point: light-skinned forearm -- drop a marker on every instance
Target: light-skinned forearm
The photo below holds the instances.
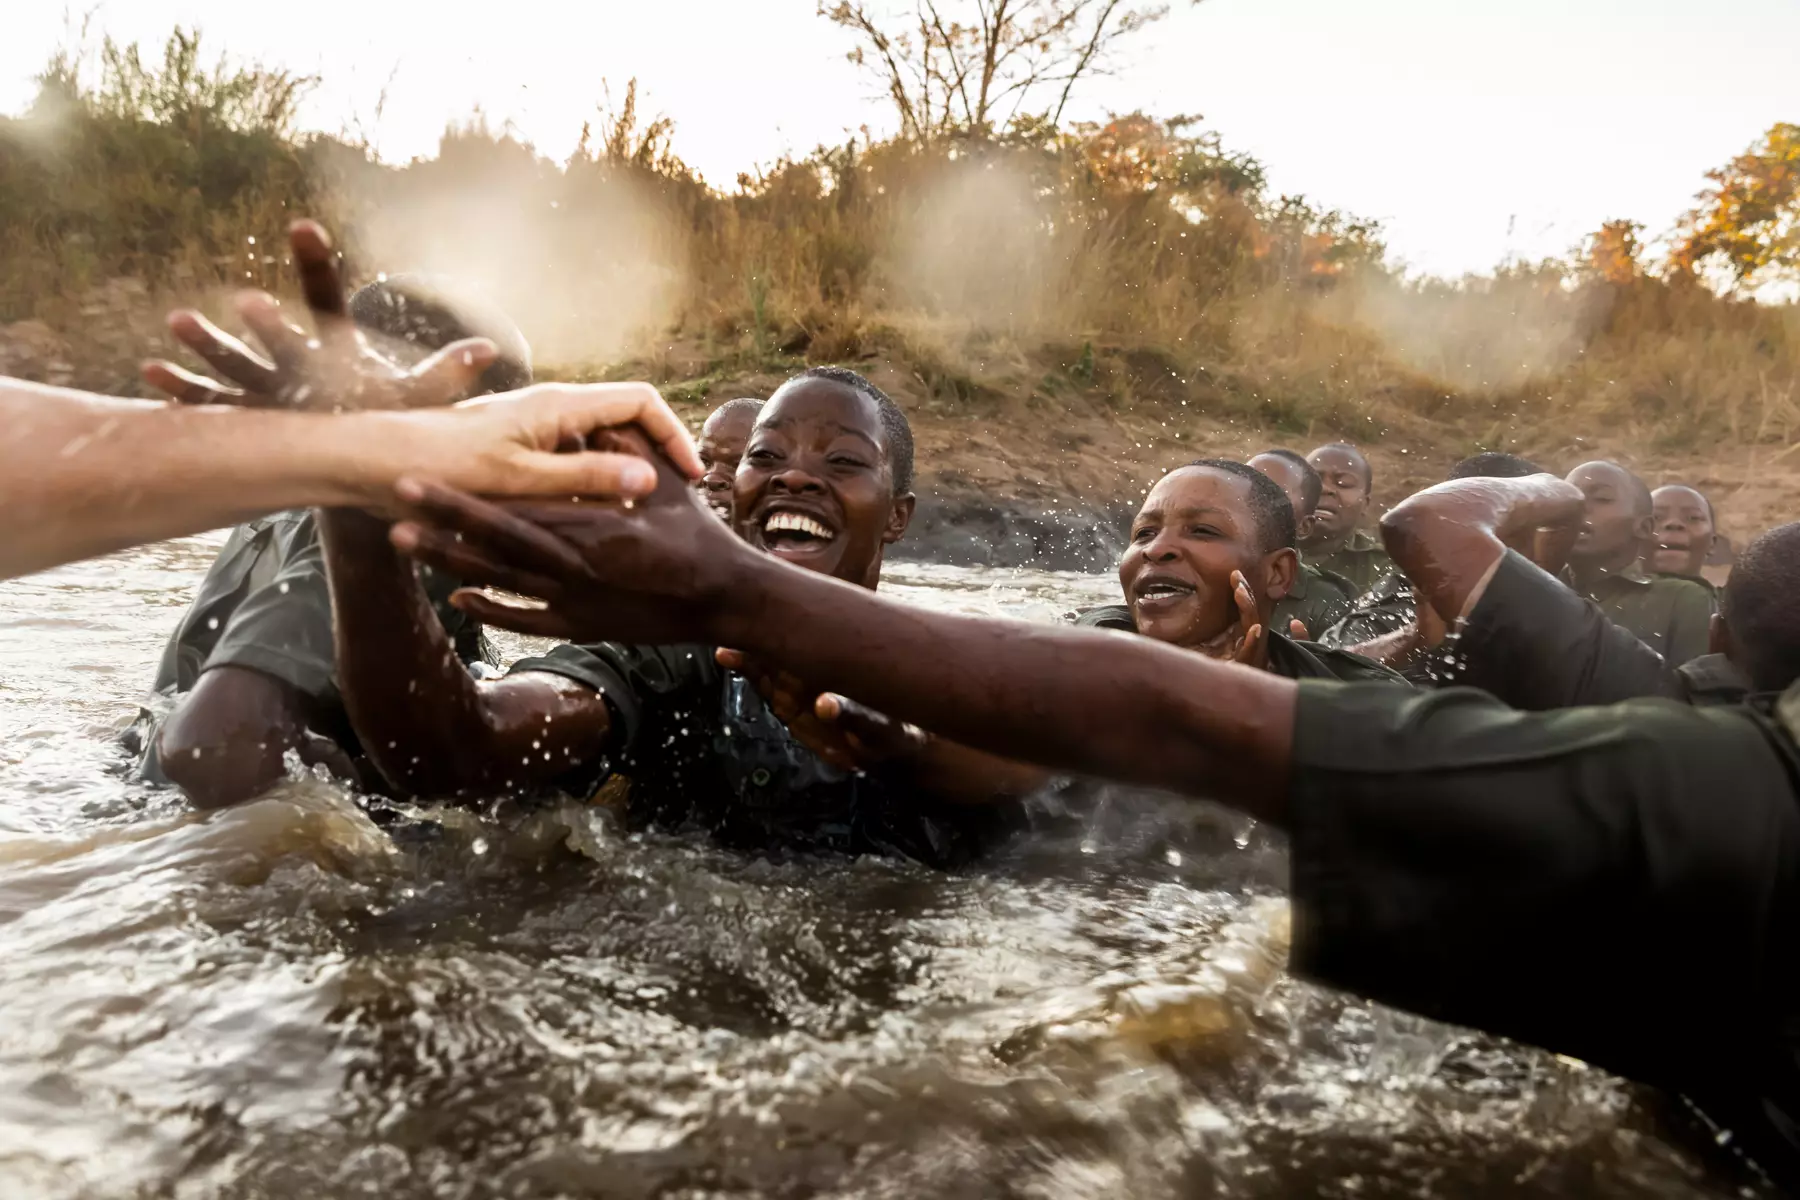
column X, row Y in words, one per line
column 85, row 475
column 1086, row 701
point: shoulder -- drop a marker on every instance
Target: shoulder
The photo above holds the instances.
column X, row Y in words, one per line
column 1365, row 543
column 1713, row 679
column 1678, row 591
column 605, row 666
column 1320, row 577
column 1310, row 660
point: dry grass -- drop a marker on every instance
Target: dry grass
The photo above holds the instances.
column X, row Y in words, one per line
column 1132, row 267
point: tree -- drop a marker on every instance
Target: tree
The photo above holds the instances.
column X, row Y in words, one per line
column 1749, row 219
column 983, row 67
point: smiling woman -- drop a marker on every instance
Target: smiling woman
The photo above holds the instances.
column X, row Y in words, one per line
column 826, row 481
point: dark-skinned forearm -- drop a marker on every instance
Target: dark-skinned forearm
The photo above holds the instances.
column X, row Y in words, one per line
column 430, row 727
column 1447, row 539
column 1087, row 701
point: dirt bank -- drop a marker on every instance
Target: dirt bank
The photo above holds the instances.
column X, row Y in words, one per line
column 1027, row 464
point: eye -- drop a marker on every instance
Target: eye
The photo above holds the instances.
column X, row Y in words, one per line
column 761, row 454
column 848, row 461
column 1203, row 531
column 1143, row 534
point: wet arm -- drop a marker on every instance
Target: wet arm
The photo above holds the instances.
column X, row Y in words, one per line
column 429, row 726
column 1448, row 539
column 1078, row 700
column 227, row 740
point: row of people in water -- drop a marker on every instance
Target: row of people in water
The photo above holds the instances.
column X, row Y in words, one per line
column 1587, row 847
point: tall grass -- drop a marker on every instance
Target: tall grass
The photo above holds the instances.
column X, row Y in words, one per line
column 1137, row 263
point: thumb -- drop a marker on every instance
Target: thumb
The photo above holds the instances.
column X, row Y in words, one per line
column 1297, row 630
column 448, row 375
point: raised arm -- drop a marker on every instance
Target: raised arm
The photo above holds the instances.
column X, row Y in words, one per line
column 1448, row 539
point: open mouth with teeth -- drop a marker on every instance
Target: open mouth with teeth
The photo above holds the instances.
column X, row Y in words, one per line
column 1162, row 593
column 785, row 531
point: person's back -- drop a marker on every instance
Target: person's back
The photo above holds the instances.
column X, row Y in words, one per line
column 247, row 675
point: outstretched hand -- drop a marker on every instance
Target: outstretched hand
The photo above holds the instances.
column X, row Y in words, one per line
column 848, row 735
column 333, row 369
column 653, row 569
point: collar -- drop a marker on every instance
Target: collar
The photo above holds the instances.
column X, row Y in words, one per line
column 1301, row 582
column 1631, row 574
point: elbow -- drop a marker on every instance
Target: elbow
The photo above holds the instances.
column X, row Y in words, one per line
column 214, row 773
column 1403, row 526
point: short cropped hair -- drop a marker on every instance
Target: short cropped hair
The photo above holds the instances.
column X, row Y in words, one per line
column 896, row 430
column 1311, row 486
column 741, row 404
column 432, row 313
column 1494, row 464
column 1270, row 511
column 1758, row 607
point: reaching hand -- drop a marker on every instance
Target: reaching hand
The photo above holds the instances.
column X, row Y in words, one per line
column 840, row 731
column 652, row 570
column 335, row 370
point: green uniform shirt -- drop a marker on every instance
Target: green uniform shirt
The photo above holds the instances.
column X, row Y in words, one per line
column 265, row 604
column 1287, row 657
column 1361, row 560
column 1319, row 600
column 1672, row 615
column 701, row 749
column 1619, row 884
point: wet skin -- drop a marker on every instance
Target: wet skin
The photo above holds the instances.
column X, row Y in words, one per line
column 1194, row 531
column 722, row 442
column 1683, row 534
column 1344, row 498
column 814, row 489
column 1614, row 529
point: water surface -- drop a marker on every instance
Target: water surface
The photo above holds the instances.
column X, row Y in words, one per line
column 283, row 1000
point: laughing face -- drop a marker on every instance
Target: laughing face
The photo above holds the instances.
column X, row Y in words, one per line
column 1684, row 530
column 722, row 442
column 816, row 487
column 1197, row 526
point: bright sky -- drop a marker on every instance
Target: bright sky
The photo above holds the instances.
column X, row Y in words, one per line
column 1474, row 130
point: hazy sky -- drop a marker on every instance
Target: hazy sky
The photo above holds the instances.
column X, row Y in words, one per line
column 1473, row 129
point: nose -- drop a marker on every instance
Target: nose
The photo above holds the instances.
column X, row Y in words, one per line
column 1161, row 548
column 795, row 479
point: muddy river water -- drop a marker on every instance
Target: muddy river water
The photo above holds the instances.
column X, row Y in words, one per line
column 284, row 1000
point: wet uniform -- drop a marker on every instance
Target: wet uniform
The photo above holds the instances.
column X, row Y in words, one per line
column 698, row 747
column 1388, row 606
column 265, row 604
column 1319, row 600
column 1617, row 884
column 1360, row 559
column 1288, row 658
column 1672, row 614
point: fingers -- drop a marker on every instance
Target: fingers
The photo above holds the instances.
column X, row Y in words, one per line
column 321, row 280
column 223, row 353
column 452, row 553
column 1251, row 651
column 514, row 539
column 1244, row 598
column 582, row 409
column 449, row 373
column 1297, row 630
column 184, row 387
column 502, row 614
column 589, row 473
column 731, row 660
column 286, row 343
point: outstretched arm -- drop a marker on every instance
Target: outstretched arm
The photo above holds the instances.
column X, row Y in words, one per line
column 82, row 475
column 1080, row 700
column 1448, row 539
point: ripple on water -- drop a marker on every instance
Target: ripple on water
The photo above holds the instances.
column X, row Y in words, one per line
column 287, row 1000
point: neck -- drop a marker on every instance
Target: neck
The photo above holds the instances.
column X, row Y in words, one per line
column 1329, row 543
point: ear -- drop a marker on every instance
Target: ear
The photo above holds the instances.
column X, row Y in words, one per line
column 1280, row 569
column 899, row 519
column 1646, row 527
